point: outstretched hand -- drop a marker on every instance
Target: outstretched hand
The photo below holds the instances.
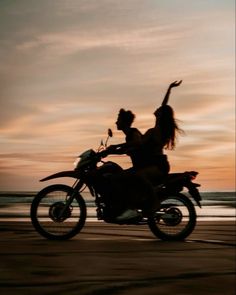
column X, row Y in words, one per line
column 175, row 84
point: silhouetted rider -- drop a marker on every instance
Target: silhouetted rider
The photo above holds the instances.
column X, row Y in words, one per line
column 133, row 138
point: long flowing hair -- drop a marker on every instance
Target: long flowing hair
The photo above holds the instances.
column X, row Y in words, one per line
column 168, row 126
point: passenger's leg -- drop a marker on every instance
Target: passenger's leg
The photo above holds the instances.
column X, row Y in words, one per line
column 151, row 176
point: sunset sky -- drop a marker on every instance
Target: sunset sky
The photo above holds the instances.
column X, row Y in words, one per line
column 68, row 66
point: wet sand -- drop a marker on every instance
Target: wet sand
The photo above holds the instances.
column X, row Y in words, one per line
column 119, row 260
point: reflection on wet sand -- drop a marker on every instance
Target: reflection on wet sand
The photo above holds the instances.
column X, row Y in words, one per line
column 112, row 259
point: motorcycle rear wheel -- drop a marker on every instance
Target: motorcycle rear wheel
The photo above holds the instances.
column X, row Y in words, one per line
column 176, row 220
column 46, row 210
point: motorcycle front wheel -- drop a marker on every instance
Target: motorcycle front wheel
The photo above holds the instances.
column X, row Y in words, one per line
column 52, row 218
column 175, row 220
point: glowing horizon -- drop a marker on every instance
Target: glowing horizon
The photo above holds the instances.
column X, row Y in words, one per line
column 67, row 67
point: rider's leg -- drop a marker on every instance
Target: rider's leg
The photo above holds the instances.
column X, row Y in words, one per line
column 130, row 188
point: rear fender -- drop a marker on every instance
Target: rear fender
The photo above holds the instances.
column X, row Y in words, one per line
column 192, row 187
column 71, row 173
column 193, row 191
column 179, row 180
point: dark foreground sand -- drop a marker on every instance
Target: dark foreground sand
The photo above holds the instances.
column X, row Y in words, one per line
column 109, row 259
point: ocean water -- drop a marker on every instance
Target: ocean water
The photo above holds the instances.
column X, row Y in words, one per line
column 215, row 205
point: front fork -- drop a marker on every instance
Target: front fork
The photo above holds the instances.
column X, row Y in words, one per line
column 76, row 187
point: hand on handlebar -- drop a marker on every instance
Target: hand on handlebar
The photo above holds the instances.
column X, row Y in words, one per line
column 103, row 154
column 111, row 148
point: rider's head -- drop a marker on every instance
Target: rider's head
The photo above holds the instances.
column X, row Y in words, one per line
column 165, row 119
column 164, row 112
column 125, row 119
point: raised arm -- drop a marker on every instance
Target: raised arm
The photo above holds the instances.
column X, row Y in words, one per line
column 166, row 98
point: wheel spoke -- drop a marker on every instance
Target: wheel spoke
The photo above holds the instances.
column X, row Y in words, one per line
column 53, row 217
column 178, row 218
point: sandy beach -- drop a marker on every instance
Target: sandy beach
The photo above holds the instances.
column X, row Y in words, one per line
column 124, row 260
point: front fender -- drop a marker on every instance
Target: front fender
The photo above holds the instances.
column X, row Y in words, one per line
column 71, row 173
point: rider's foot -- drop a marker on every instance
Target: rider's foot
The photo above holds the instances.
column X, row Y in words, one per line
column 150, row 210
column 128, row 214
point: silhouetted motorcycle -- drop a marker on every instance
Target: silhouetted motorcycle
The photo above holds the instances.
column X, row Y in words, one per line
column 58, row 212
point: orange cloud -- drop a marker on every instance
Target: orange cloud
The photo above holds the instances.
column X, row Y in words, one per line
column 68, row 71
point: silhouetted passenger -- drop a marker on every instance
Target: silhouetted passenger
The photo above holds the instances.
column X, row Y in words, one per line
column 162, row 136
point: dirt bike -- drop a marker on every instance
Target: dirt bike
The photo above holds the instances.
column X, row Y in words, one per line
column 58, row 212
